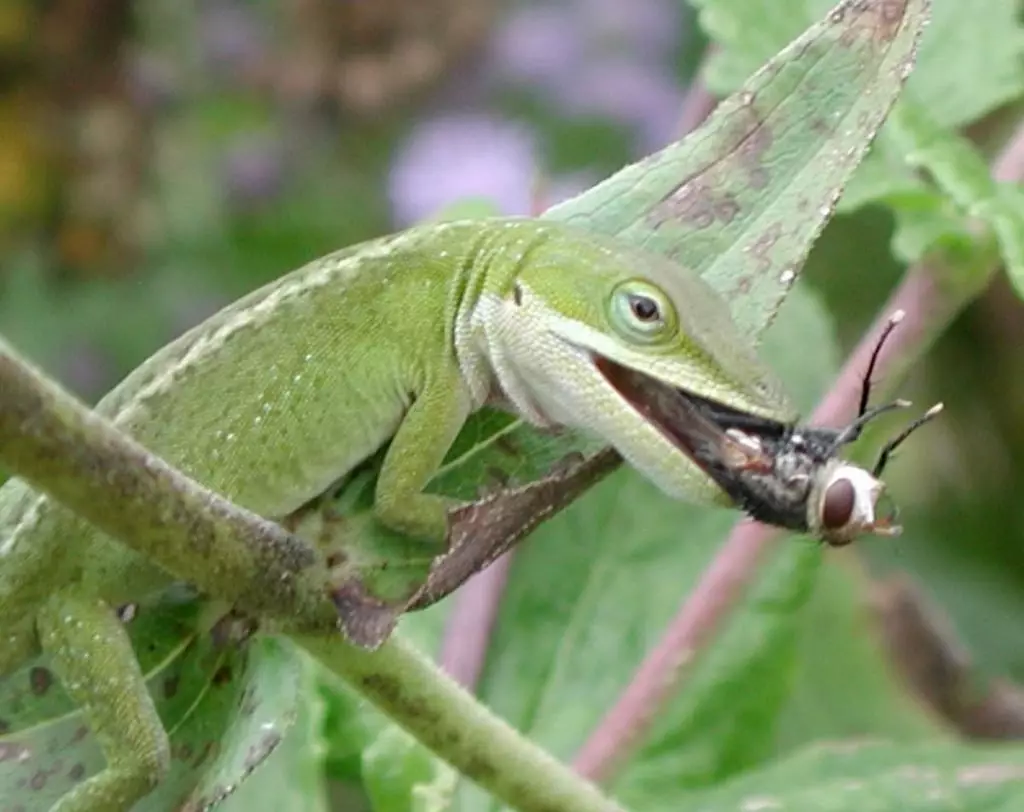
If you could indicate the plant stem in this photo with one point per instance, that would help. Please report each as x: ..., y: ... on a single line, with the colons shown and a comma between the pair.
x: 416, y: 694
x: 54, y: 442
x: 51, y: 440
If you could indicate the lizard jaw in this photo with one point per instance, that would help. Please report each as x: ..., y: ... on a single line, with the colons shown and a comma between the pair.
x: 654, y: 400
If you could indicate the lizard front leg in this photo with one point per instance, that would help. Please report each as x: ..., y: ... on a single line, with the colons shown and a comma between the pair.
x: 92, y: 656
x: 424, y: 437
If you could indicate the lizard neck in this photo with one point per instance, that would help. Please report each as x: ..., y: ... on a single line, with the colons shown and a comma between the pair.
x: 484, y: 283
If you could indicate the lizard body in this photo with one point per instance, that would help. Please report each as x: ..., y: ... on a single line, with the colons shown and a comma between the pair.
x: 399, y: 340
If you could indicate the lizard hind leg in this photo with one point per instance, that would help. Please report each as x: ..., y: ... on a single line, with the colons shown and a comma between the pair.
x: 92, y: 656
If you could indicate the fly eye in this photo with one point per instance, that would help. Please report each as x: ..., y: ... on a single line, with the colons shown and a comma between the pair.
x: 641, y: 313
x: 837, y: 506
x: 644, y: 308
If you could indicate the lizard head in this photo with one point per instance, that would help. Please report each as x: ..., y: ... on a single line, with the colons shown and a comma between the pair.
x: 582, y: 308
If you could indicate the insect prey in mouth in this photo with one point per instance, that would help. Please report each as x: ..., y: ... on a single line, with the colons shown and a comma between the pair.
x: 792, y: 476
x: 781, y: 473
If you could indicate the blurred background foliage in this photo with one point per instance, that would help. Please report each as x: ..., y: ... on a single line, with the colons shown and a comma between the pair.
x: 159, y: 158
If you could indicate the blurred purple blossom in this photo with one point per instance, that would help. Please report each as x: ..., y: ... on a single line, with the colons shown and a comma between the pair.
x: 642, y: 96
x: 86, y: 370
x: 537, y: 45
x: 644, y: 28
x: 232, y: 37
x: 152, y: 81
x: 607, y: 58
x: 254, y: 168
x: 191, y: 310
x: 453, y: 157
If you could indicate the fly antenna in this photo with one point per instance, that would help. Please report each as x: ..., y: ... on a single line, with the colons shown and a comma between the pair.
x: 865, y: 392
x: 852, y: 431
x: 897, y: 441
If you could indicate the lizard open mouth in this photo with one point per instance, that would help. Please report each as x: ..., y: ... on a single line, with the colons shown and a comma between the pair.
x: 671, y: 410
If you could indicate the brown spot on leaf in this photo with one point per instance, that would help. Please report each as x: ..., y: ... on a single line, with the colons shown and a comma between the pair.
x: 5, y: 726
x: 891, y: 15
x: 222, y: 676
x: 204, y: 754
x: 880, y: 19
x: 822, y: 127
x: 77, y: 772
x: 171, y: 686
x: 698, y: 204
x: 751, y: 151
x: 40, y: 679
x: 761, y: 249
x: 13, y: 751
x: 508, y: 446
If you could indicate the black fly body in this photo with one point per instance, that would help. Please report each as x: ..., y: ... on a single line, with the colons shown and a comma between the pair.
x: 779, y: 473
x: 792, y: 476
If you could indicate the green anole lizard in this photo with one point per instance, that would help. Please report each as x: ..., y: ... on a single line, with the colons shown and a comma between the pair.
x: 275, y: 398
x: 400, y: 339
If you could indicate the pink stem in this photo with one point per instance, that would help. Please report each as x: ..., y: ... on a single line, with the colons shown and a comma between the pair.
x: 927, y: 310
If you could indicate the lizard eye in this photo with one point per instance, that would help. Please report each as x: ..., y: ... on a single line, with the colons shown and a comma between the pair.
x: 641, y: 312
x: 645, y: 309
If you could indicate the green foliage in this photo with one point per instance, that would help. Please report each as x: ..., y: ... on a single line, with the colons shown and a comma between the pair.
x: 876, y: 777
x: 259, y: 725
x: 225, y: 705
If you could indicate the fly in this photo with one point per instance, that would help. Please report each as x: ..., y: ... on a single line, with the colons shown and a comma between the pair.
x: 781, y: 474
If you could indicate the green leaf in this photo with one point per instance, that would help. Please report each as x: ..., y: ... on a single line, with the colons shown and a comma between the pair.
x: 742, y: 199
x: 959, y: 171
x: 225, y: 705
x: 839, y: 647
x: 571, y: 614
x: 292, y: 777
x: 592, y: 590
x: 402, y: 776
x: 724, y: 719
x: 941, y: 191
x: 986, y: 50
x: 875, y: 778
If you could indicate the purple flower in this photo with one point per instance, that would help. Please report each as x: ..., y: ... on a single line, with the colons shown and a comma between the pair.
x: 649, y: 28
x: 458, y: 156
x: 153, y: 81
x: 254, y: 169
x: 232, y: 38
x: 537, y: 45
x: 644, y: 97
x: 86, y: 370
